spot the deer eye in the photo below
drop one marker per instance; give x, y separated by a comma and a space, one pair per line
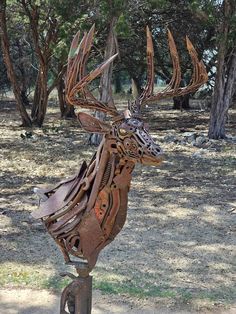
123, 131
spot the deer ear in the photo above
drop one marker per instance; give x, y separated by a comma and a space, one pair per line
93, 125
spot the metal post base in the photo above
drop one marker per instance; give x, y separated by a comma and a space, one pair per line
77, 296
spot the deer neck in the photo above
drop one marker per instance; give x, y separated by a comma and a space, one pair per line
108, 169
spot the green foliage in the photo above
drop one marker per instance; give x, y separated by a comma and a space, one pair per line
122, 27
210, 14
160, 4
112, 8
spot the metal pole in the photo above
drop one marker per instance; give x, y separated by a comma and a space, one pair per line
77, 295
83, 299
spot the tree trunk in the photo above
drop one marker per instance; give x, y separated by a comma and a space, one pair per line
21, 67
181, 102
70, 112
136, 87
61, 97
26, 121
25, 98
222, 99
67, 111
36, 96
118, 84
105, 87
40, 97
225, 78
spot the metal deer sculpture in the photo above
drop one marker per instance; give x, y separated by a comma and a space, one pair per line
85, 213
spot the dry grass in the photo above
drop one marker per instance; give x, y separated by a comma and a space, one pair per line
178, 244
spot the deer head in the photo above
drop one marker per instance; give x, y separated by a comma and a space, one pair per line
133, 141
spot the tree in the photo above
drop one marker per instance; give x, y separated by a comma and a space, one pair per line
226, 71
43, 38
4, 81
26, 121
52, 24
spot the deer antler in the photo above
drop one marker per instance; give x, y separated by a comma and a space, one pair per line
77, 80
199, 76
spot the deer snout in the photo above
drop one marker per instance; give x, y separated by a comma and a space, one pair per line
153, 155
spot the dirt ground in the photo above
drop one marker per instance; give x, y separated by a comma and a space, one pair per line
177, 251
15, 301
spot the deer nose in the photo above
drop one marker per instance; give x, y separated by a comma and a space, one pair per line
158, 151
155, 150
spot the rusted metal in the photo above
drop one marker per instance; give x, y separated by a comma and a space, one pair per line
85, 212
77, 295
173, 89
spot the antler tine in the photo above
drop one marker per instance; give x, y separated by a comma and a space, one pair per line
85, 91
87, 49
71, 55
199, 76
77, 81
89, 77
176, 77
148, 90
74, 63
